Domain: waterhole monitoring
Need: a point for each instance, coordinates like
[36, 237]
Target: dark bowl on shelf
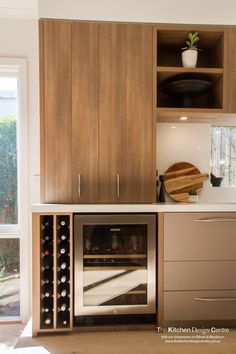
[186, 87]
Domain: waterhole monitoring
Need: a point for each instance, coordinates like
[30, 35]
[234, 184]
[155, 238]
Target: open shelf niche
[168, 41]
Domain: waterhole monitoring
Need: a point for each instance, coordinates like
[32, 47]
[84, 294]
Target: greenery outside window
[223, 154]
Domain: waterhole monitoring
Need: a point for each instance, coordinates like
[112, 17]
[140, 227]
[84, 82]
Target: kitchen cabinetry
[111, 113]
[198, 262]
[232, 71]
[85, 125]
[55, 108]
[171, 103]
[97, 124]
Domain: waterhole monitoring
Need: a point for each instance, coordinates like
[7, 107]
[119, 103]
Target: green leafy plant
[8, 171]
[192, 41]
[193, 192]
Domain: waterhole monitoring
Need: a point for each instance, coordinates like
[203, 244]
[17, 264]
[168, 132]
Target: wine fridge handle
[118, 185]
[79, 185]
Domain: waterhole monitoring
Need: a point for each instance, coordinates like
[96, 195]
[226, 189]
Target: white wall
[159, 11]
[19, 8]
[190, 143]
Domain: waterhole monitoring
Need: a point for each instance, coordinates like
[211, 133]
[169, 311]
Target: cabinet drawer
[213, 275]
[199, 236]
[199, 305]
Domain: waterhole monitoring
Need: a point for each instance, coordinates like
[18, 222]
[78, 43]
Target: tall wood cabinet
[232, 71]
[84, 138]
[55, 108]
[97, 124]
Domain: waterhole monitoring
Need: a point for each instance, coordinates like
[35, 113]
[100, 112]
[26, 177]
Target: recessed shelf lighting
[183, 118]
[173, 127]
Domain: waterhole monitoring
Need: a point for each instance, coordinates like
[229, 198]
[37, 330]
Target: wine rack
[63, 271]
[55, 279]
[47, 272]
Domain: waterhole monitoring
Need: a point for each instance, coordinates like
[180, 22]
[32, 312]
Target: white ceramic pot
[193, 198]
[189, 58]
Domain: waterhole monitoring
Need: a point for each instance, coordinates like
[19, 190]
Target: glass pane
[9, 277]
[8, 151]
[115, 264]
[223, 156]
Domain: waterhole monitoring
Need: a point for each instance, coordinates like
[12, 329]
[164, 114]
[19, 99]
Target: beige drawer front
[199, 236]
[213, 275]
[199, 305]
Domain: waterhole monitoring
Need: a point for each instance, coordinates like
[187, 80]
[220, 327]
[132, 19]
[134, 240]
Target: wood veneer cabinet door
[55, 60]
[139, 141]
[84, 112]
[232, 71]
[111, 113]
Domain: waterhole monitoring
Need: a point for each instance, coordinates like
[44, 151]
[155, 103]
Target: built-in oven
[114, 265]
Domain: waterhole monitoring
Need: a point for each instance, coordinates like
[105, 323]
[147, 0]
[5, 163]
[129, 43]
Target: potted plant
[190, 52]
[193, 196]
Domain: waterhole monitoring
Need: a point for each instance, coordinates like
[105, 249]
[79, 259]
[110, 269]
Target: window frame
[17, 67]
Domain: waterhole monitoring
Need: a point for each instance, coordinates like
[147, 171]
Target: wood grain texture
[232, 70]
[85, 112]
[111, 113]
[160, 269]
[140, 171]
[42, 106]
[35, 273]
[181, 178]
[57, 111]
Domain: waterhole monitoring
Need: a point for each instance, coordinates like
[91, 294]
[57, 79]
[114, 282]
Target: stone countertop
[135, 208]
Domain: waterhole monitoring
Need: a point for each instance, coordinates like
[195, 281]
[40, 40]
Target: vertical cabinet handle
[79, 185]
[118, 185]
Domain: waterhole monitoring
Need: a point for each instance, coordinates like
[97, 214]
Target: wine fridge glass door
[114, 264]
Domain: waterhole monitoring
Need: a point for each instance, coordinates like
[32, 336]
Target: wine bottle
[45, 309]
[64, 221]
[47, 321]
[47, 290]
[47, 263]
[63, 265]
[47, 222]
[63, 279]
[64, 259]
[63, 288]
[63, 237]
[63, 247]
[47, 249]
[64, 318]
[46, 238]
[63, 293]
[63, 307]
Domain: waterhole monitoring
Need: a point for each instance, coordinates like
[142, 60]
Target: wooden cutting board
[181, 178]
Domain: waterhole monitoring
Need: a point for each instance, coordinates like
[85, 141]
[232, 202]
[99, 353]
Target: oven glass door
[114, 271]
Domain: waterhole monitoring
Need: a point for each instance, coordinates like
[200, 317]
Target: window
[13, 190]
[223, 154]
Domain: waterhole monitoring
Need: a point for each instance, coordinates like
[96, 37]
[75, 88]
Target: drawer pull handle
[215, 299]
[79, 186]
[216, 220]
[118, 185]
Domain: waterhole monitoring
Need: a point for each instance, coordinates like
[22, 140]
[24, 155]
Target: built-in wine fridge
[114, 268]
